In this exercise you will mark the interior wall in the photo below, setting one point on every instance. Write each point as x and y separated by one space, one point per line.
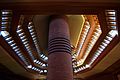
6 74
102 76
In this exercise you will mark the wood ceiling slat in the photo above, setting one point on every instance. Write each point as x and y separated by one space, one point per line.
68 10
15 22
105 30
25 28
92 27
32 8
107 49
4 44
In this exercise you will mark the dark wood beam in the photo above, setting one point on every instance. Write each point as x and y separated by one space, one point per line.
27 19
118 22
105 30
110 46
10 51
13 29
88 37
59 7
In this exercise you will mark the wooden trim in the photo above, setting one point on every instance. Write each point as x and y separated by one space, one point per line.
88 37
66 7
105 30
112 44
13 29
4 44
25 29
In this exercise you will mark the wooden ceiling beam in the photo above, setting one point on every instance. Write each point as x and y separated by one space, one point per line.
112 44
33 8
105 30
88 37
25 28
13 29
11 52
13 32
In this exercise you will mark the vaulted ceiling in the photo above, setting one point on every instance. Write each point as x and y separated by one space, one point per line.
94 36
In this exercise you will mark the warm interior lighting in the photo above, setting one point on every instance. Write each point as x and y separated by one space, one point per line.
111 18
37 69
29 66
34 37
14 46
4 34
76 70
103 45
40 66
6 12
99 51
25 41
96 33
6 19
40 63
83 36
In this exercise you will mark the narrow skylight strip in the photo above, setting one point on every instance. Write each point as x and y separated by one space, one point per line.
25 41
40 63
100 49
103 45
14 46
98 52
6 12
26 44
36 69
92 42
111 18
83 37
33 35
76 70
6 17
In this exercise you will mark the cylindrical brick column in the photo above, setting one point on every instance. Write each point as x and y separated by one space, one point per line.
59 49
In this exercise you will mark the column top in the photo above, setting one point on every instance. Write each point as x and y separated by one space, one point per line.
53 17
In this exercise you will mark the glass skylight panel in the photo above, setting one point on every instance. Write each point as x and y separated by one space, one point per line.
111 13
45 71
111 23
113 33
104 44
44 65
111 18
24 40
4 34
83 36
46 58
29 66
97 32
14 46
40 63
92 42
33 35
6 12
76 70
108 38
5 19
